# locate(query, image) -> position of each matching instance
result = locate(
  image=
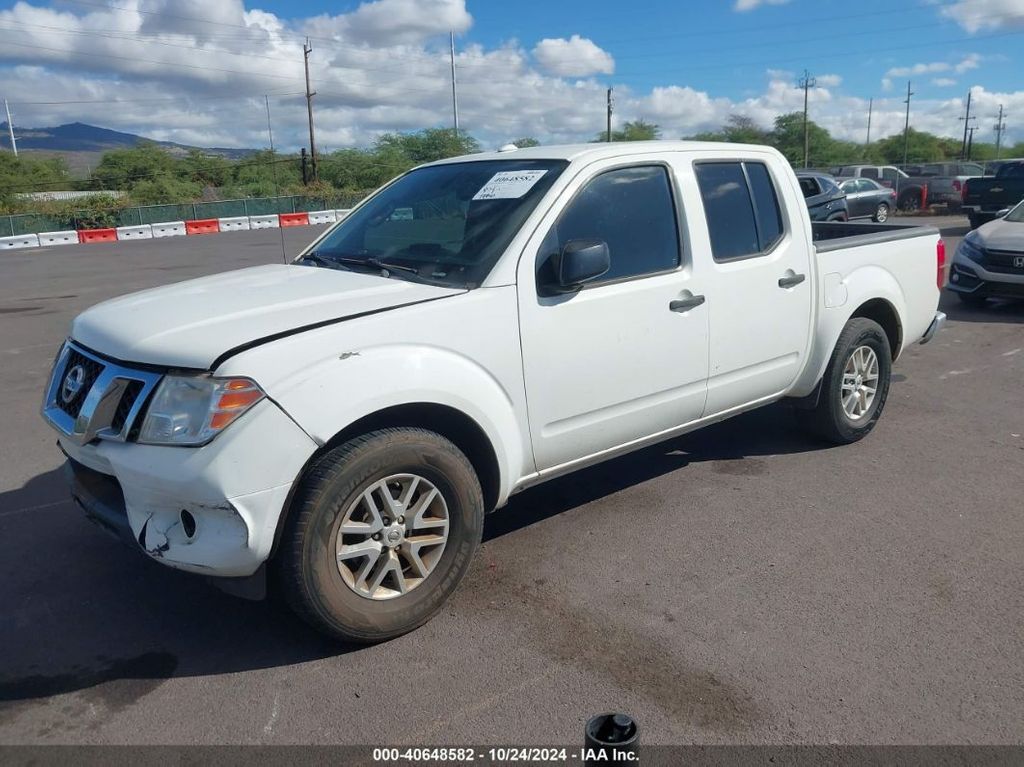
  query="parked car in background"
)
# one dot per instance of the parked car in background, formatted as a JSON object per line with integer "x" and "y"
{"x": 825, "y": 200}
{"x": 868, "y": 199}
{"x": 990, "y": 261}
{"x": 944, "y": 180}
{"x": 985, "y": 198}
{"x": 992, "y": 166}
{"x": 909, "y": 192}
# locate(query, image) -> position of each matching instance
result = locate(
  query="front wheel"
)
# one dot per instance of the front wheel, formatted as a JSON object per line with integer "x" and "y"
{"x": 855, "y": 385}
{"x": 382, "y": 530}
{"x": 882, "y": 213}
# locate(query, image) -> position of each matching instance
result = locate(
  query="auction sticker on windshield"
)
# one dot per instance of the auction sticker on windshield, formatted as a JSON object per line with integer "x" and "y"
{"x": 509, "y": 184}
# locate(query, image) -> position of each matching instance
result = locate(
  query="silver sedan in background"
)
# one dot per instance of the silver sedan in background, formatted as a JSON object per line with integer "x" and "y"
{"x": 868, "y": 199}
{"x": 990, "y": 260}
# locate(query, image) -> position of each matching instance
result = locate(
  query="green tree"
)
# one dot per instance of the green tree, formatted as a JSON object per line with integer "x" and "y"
{"x": 524, "y": 143}
{"x": 426, "y": 145}
{"x": 28, "y": 173}
{"x": 636, "y": 130}
{"x": 121, "y": 169}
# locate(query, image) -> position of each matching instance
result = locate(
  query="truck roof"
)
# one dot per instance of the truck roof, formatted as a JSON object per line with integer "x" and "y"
{"x": 604, "y": 150}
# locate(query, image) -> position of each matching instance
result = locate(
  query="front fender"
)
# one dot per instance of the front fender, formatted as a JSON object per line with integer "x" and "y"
{"x": 336, "y": 392}
{"x": 841, "y": 299}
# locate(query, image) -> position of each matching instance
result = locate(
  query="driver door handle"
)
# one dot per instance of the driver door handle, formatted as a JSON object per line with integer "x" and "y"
{"x": 791, "y": 281}
{"x": 685, "y": 304}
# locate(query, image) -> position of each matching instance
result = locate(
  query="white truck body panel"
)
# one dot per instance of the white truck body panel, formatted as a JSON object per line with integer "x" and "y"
{"x": 552, "y": 382}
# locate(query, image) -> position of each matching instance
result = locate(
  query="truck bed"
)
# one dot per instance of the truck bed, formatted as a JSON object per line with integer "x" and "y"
{"x": 837, "y": 235}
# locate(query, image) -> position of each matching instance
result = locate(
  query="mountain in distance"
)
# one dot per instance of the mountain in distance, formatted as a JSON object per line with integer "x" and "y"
{"x": 78, "y": 137}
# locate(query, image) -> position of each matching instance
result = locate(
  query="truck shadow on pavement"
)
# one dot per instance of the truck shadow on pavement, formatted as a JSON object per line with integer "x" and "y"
{"x": 82, "y": 614}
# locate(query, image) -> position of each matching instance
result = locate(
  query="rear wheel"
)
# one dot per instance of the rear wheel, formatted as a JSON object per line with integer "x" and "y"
{"x": 882, "y": 213}
{"x": 382, "y": 530}
{"x": 910, "y": 202}
{"x": 855, "y": 385}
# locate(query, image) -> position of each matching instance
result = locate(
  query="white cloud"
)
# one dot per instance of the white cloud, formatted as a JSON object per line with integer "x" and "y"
{"x": 977, "y": 15}
{"x": 575, "y": 57}
{"x": 943, "y": 82}
{"x": 203, "y": 83}
{"x": 886, "y": 83}
{"x": 918, "y": 69}
{"x": 749, "y": 5}
{"x": 971, "y": 61}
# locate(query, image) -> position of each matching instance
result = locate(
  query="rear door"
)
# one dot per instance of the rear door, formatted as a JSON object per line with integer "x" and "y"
{"x": 856, "y": 205}
{"x": 759, "y": 288}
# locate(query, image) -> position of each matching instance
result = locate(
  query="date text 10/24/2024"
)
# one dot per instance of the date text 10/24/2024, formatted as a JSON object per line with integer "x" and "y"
{"x": 504, "y": 755}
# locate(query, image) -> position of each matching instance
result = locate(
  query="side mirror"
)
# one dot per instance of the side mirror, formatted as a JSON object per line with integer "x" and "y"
{"x": 1002, "y": 213}
{"x": 580, "y": 261}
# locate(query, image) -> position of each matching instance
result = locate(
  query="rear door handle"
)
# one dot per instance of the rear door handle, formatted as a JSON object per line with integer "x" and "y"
{"x": 685, "y": 304}
{"x": 791, "y": 281}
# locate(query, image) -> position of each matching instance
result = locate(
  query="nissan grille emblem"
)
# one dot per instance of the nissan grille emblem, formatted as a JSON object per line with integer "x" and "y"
{"x": 1018, "y": 262}
{"x": 73, "y": 382}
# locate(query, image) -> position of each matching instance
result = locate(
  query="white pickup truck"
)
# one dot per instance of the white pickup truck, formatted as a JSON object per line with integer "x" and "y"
{"x": 343, "y": 423}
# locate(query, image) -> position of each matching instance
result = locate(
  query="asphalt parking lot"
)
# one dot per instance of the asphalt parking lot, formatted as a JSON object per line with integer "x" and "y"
{"x": 743, "y": 584}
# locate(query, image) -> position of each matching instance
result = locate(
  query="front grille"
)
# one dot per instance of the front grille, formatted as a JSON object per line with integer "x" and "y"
{"x": 92, "y": 370}
{"x": 124, "y": 407}
{"x": 104, "y": 398}
{"x": 1002, "y": 261}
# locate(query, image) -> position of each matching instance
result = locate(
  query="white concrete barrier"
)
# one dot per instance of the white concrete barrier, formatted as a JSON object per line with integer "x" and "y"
{"x": 22, "y": 241}
{"x": 143, "y": 232}
{"x": 264, "y": 222}
{"x": 68, "y": 237}
{"x": 322, "y": 217}
{"x": 342, "y": 212}
{"x": 169, "y": 229}
{"x": 234, "y": 224}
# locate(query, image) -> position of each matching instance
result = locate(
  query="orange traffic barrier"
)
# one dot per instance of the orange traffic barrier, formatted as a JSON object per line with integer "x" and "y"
{"x": 97, "y": 235}
{"x": 202, "y": 226}
{"x": 294, "y": 219}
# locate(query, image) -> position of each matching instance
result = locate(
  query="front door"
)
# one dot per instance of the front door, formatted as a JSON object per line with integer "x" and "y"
{"x": 626, "y": 357}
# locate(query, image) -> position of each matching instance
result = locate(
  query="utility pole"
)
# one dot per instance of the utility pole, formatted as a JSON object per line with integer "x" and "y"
{"x": 455, "y": 87}
{"x": 966, "y": 120}
{"x": 306, "y": 50}
{"x": 608, "y": 135}
{"x": 1000, "y": 128}
{"x": 807, "y": 82}
{"x": 906, "y": 125}
{"x": 970, "y": 140}
{"x": 10, "y": 129}
{"x": 867, "y": 140}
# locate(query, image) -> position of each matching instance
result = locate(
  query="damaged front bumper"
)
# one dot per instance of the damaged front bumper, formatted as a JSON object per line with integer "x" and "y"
{"x": 212, "y": 510}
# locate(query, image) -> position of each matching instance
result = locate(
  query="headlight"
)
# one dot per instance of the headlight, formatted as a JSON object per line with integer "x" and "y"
{"x": 192, "y": 410}
{"x": 972, "y": 250}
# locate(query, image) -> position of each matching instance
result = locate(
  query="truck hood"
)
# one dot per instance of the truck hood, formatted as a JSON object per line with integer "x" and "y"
{"x": 193, "y": 323}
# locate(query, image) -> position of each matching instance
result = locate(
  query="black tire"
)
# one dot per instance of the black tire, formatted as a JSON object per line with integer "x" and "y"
{"x": 307, "y": 566}
{"x": 974, "y": 221}
{"x": 881, "y": 213}
{"x": 840, "y": 217}
{"x": 828, "y": 420}
{"x": 972, "y": 300}
{"x": 910, "y": 201}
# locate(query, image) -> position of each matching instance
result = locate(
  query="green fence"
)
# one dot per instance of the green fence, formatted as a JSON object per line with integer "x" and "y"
{"x": 33, "y": 223}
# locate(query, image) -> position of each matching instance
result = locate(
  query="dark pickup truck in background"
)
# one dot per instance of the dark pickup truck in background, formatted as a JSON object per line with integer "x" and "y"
{"x": 984, "y": 198}
{"x": 944, "y": 180}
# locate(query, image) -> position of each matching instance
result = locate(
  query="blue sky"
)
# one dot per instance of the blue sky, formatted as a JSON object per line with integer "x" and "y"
{"x": 525, "y": 68}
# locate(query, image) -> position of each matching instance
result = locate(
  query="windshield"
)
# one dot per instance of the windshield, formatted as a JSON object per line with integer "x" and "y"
{"x": 444, "y": 224}
{"x": 1016, "y": 215}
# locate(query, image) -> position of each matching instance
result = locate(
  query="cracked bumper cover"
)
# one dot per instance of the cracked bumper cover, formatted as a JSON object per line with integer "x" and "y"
{"x": 234, "y": 488}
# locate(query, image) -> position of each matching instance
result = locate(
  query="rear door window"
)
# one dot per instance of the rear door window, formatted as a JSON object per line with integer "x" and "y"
{"x": 741, "y": 207}
{"x": 869, "y": 172}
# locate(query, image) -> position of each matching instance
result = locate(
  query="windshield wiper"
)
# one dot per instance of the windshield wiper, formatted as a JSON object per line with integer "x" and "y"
{"x": 320, "y": 260}
{"x": 375, "y": 263}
